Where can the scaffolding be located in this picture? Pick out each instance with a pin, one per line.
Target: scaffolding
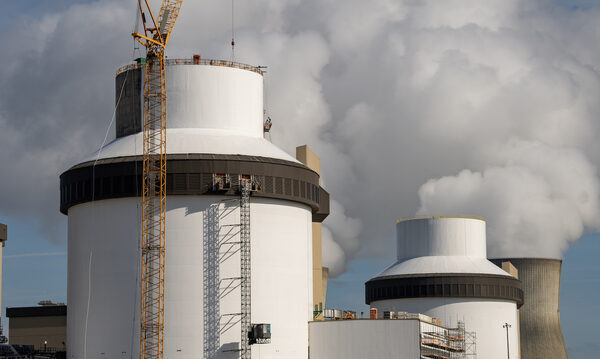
(211, 281)
(214, 240)
(246, 299)
(470, 342)
(448, 343)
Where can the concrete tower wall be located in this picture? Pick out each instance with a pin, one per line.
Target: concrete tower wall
(128, 102)
(457, 236)
(485, 317)
(221, 98)
(541, 333)
(215, 97)
(103, 289)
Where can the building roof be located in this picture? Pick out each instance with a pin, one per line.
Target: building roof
(38, 311)
(464, 216)
(196, 141)
(442, 264)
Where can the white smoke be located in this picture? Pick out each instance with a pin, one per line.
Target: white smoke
(536, 198)
(340, 239)
(334, 257)
(390, 94)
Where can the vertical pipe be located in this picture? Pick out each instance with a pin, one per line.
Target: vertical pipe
(506, 325)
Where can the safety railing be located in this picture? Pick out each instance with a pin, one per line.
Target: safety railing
(205, 62)
(128, 67)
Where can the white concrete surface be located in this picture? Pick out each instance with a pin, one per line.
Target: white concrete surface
(360, 339)
(211, 110)
(441, 236)
(215, 97)
(103, 287)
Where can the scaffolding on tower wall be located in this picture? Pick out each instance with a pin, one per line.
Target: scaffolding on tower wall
(211, 281)
(245, 273)
(470, 343)
(447, 343)
(218, 244)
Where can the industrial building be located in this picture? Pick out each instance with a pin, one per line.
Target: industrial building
(42, 327)
(541, 333)
(442, 271)
(215, 150)
(400, 335)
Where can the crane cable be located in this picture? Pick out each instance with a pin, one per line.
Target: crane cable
(232, 58)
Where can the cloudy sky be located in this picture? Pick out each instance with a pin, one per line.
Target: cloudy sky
(415, 107)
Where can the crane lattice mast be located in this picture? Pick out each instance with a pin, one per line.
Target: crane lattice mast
(154, 38)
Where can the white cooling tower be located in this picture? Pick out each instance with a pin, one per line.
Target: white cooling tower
(442, 271)
(214, 137)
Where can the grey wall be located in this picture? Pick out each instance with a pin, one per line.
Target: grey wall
(3, 232)
(128, 117)
(541, 333)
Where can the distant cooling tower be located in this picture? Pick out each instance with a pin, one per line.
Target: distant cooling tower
(541, 333)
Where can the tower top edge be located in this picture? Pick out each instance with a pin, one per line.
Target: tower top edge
(450, 216)
(526, 259)
(197, 61)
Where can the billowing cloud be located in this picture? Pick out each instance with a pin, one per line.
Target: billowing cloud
(393, 95)
(537, 198)
(341, 239)
(334, 257)
(56, 93)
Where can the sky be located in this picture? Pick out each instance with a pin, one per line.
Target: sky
(429, 107)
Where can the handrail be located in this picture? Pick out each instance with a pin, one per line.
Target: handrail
(205, 62)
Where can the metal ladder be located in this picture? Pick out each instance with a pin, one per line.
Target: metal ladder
(211, 305)
(212, 281)
(245, 273)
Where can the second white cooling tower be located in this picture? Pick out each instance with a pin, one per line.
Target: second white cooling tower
(442, 271)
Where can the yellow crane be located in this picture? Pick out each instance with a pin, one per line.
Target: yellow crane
(155, 37)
